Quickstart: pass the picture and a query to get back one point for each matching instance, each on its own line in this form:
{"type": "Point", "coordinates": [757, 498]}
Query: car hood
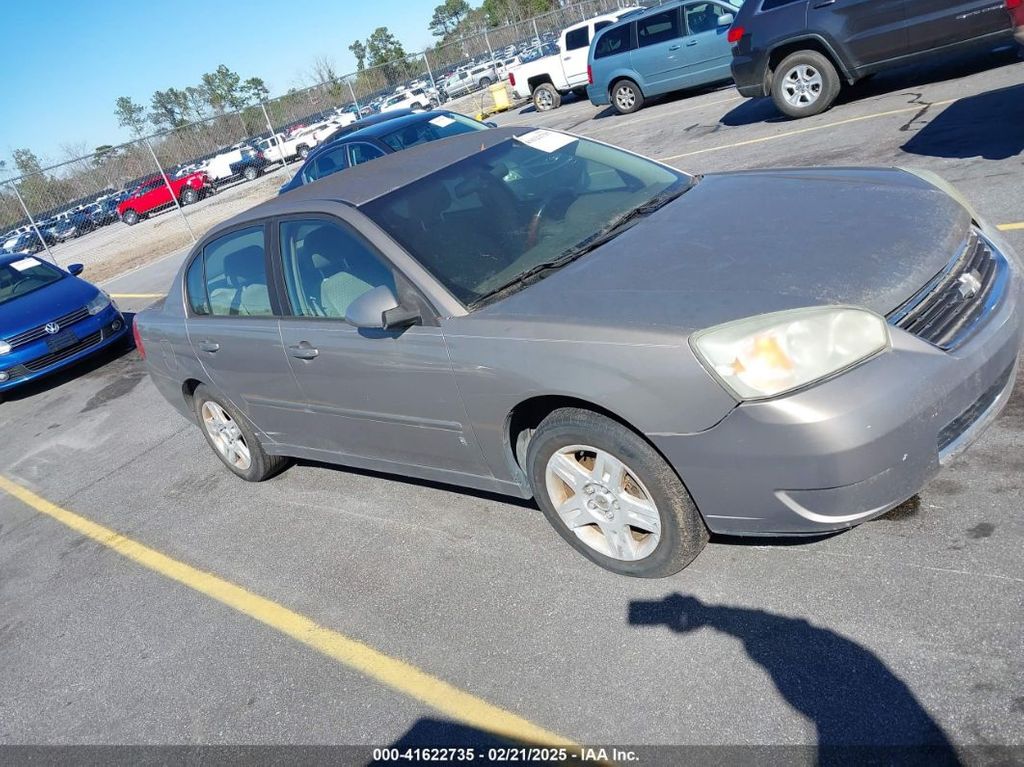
{"type": "Point", "coordinates": [746, 243]}
{"type": "Point", "coordinates": [43, 305]}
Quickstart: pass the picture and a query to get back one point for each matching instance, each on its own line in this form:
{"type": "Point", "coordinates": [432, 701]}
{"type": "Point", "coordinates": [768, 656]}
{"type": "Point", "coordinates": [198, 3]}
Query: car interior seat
{"type": "Point", "coordinates": [246, 292]}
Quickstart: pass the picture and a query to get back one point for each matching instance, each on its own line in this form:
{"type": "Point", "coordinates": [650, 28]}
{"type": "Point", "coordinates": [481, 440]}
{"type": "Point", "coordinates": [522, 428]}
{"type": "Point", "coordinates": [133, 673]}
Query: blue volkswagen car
{"type": "Point", "coordinates": [668, 48]}
{"type": "Point", "coordinates": [49, 319]}
{"type": "Point", "coordinates": [378, 139]}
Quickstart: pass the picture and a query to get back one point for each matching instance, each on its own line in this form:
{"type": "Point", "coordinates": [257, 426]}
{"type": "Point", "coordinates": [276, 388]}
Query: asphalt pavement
{"type": "Point", "coordinates": [906, 629]}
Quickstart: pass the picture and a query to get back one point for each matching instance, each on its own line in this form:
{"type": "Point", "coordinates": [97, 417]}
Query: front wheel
{"type": "Point", "coordinates": [130, 217]}
{"type": "Point", "coordinates": [627, 97]}
{"type": "Point", "coordinates": [189, 196]}
{"type": "Point", "coordinates": [250, 173]}
{"type": "Point", "coordinates": [232, 439]}
{"type": "Point", "coordinates": [484, 82]}
{"type": "Point", "coordinates": [546, 97]}
{"type": "Point", "coordinates": [804, 84]}
{"type": "Point", "coordinates": [611, 496]}
{"type": "Point", "coordinates": [303, 151]}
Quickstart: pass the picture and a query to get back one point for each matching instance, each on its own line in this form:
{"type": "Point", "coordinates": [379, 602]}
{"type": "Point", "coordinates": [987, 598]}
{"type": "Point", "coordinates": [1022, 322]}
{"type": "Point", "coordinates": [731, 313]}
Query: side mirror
{"type": "Point", "coordinates": [726, 20]}
{"type": "Point", "coordinates": [379, 309]}
{"type": "Point", "coordinates": [76, 269]}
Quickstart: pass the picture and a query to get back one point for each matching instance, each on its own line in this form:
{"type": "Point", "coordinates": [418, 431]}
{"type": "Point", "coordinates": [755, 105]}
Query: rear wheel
{"type": "Point", "coordinates": [546, 97]}
{"type": "Point", "coordinates": [611, 496]}
{"type": "Point", "coordinates": [804, 84]}
{"type": "Point", "coordinates": [250, 173]}
{"type": "Point", "coordinates": [232, 439]}
{"type": "Point", "coordinates": [189, 196]}
{"type": "Point", "coordinates": [627, 97]}
{"type": "Point", "coordinates": [484, 82]}
{"type": "Point", "coordinates": [303, 151]}
{"type": "Point", "coordinates": [130, 217]}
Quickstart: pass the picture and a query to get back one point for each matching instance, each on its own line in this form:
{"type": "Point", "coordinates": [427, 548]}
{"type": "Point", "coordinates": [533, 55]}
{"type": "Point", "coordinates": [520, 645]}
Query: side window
{"type": "Point", "coordinates": [236, 275]}
{"type": "Point", "coordinates": [768, 5]}
{"type": "Point", "coordinates": [577, 38]}
{"type": "Point", "coordinates": [360, 153]}
{"type": "Point", "coordinates": [326, 164]}
{"type": "Point", "coordinates": [601, 25]}
{"type": "Point", "coordinates": [195, 287]}
{"type": "Point", "coordinates": [703, 17]}
{"type": "Point", "coordinates": [659, 28]}
{"type": "Point", "coordinates": [327, 266]}
{"type": "Point", "coordinates": [613, 41]}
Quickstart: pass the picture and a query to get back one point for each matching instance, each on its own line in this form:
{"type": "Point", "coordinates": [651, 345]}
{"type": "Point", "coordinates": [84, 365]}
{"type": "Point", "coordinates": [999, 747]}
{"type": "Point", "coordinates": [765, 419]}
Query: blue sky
{"type": "Point", "coordinates": [64, 62]}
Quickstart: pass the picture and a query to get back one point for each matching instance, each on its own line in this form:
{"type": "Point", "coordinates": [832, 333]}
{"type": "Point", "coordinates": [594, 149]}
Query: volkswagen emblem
{"type": "Point", "coordinates": [51, 328]}
{"type": "Point", "coordinates": [969, 285]}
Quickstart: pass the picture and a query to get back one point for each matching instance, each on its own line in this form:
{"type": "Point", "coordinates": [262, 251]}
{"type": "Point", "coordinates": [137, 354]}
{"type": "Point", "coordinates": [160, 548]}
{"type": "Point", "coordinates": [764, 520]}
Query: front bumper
{"type": "Point", "coordinates": [35, 360]}
{"type": "Point", "coordinates": [854, 447]}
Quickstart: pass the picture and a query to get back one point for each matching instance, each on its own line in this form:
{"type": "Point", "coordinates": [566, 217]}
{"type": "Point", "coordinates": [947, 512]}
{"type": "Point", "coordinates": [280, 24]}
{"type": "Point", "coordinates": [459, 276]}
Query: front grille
{"type": "Point", "coordinates": [40, 363]}
{"type": "Point", "coordinates": [949, 308]}
{"type": "Point", "coordinates": [40, 331]}
{"type": "Point", "coordinates": [966, 419]}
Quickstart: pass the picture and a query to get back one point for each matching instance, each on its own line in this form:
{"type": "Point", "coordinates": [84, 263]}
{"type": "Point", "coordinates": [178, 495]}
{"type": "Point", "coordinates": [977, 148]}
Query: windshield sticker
{"type": "Point", "coordinates": [442, 121]}
{"type": "Point", "coordinates": [24, 263]}
{"type": "Point", "coordinates": [545, 140]}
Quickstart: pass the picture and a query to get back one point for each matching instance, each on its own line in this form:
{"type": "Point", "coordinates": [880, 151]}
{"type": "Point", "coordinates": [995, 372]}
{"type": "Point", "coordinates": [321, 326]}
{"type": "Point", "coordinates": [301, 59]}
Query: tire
{"type": "Point", "coordinates": [670, 532]}
{"type": "Point", "coordinates": [627, 97]}
{"type": "Point", "coordinates": [251, 173]}
{"type": "Point", "coordinates": [259, 466]}
{"type": "Point", "coordinates": [303, 151]}
{"type": "Point", "coordinates": [546, 97]}
{"type": "Point", "coordinates": [484, 82]}
{"type": "Point", "coordinates": [804, 84]}
{"type": "Point", "coordinates": [189, 196]}
{"type": "Point", "coordinates": [130, 217]}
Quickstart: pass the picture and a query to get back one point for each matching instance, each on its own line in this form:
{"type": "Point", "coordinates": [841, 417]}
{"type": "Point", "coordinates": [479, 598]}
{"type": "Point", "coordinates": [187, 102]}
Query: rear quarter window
{"type": "Point", "coordinates": [613, 41]}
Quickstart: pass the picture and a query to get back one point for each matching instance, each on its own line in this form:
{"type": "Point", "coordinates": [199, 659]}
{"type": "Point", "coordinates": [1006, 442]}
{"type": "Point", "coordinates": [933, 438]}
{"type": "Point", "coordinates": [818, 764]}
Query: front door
{"type": "Point", "coordinates": [658, 58]}
{"type": "Point", "coordinates": [235, 335]}
{"type": "Point", "coordinates": [871, 30]}
{"type": "Point", "coordinates": [934, 23]}
{"type": "Point", "coordinates": [706, 50]}
{"type": "Point", "coordinates": [385, 395]}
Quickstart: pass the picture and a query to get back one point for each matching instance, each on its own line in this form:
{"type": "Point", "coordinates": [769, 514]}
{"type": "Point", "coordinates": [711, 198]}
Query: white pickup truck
{"type": "Point", "coordinates": [547, 79]}
{"type": "Point", "coordinates": [277, 148]}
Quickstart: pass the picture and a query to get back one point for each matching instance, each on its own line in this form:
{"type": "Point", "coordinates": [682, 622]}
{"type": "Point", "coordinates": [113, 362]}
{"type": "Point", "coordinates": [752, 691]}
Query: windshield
{"type": "Point", "coordinates": [482, 224]}
{"type": "Point", "coordinates": [24, 275]}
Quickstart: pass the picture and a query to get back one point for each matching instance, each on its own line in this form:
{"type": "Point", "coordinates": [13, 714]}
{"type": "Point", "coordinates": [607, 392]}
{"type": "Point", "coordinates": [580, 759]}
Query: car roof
{"type": "Point", "coordinates": [368, 181]}
{"type": "Point", "coordinates": [382, 127]}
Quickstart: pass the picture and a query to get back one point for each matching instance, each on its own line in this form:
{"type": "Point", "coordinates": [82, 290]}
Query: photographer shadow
{"type": "Point", "coordinates": [862, 711]}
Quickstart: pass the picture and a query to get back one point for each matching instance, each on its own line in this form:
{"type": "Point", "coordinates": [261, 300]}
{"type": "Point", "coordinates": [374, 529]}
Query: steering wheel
{"type": "Point", "coordinates": [554, 207]}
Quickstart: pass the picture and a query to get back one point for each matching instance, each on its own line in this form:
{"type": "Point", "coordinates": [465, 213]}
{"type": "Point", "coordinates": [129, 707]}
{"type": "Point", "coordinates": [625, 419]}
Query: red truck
{"type": "Point", "coordinates": [153, 194]}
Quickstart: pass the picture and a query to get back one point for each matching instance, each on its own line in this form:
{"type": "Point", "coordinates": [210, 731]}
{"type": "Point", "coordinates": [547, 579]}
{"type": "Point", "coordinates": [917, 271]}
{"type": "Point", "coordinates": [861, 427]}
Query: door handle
{"type": "Point", "coordinates": [209, 346]}
{"type": "Point", "coordinates": [674, 47]}
{"type": "Point", "coordinates": [304, 351]}
{"type": "Point", "coordinates": [691, 43]}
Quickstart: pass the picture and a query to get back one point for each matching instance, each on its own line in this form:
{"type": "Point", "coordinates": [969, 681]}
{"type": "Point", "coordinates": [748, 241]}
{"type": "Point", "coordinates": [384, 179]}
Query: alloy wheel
{"type": "Point", "coordinates": [600, 499]}
{"type": "Point", "coordinates": [225, 435]}
{"type": "Point", "coordinates": [625, 97]}
{"type": "Point", "coordinates": [802, 85]}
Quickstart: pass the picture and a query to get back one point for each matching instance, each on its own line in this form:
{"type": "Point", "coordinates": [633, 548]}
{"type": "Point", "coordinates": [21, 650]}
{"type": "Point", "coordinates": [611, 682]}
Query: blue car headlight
{"type": "Point", "coordinates": [4, 347]}
{"type": "Point", "coordinates": [99, 303]}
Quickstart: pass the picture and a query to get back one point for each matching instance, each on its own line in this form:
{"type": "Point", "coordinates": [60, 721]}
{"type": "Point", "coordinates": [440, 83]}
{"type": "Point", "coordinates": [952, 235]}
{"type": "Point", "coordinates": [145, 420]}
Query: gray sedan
{"type": "Point", "coordinates": [652, 356]}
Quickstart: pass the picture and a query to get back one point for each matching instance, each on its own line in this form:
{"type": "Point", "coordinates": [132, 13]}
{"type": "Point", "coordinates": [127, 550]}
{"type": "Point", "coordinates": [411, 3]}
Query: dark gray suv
{"type": "Point", "coordinates": [801, 51]}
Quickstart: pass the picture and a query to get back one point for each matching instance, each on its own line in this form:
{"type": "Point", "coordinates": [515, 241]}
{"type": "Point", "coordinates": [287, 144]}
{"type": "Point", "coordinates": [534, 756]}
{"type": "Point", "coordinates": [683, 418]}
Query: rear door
{"type": "Point", "coordinates": [934, 23]}
{"type": "Point", "coordinates": [235, 335]}
{"type": "Point", "coordinates": [658, 58]}
{"type": "Point", "coordinates": [707, 55]}
{"type": "Point", "coordinates": [384, 395]}
{"type": "Point", "coordinates": [869, 30]}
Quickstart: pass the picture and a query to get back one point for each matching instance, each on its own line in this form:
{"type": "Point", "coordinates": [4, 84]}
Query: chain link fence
{"type": "Point", "coordinates": [124, 206]}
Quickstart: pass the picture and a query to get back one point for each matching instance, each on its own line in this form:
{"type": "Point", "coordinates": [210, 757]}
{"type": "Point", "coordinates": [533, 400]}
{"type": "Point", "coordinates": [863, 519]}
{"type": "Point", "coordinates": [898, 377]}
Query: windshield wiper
{"type": "Point", "coordinates": [611, 231]}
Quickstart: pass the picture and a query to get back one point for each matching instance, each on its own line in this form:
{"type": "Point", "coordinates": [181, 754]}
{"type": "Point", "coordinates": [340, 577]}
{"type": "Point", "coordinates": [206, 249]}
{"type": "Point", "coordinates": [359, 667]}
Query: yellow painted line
{"type": "Point", "coordinates": [395, 673]}
{"type": "Point", "coordinates": [801, 131]}
{"type": "Point", "coordinates": [1011, 227]}
{"type": "Point", "coordinates": [137, 295]}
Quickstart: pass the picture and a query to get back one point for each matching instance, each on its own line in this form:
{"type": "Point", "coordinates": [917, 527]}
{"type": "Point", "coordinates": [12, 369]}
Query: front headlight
{"type": "Point", "coordinates": [770, 354]}
{"type": "Point", "coordinates": [99, 303]}
{"type": "Point", "coordinates": [4, 347]}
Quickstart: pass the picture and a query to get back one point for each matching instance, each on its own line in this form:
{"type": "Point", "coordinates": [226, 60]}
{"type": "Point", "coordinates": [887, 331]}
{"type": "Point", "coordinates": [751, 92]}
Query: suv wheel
{"type": "Point", "coordinates": [804, 84]}
{"type": "Point", "coordinates": [233, 440]}
{"type": "Point", "coordinates": [627, 97]}
{"type": "Point", "coordinates": [546, 97]}
{"type": "Point", "coordinates": [611, 496]}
